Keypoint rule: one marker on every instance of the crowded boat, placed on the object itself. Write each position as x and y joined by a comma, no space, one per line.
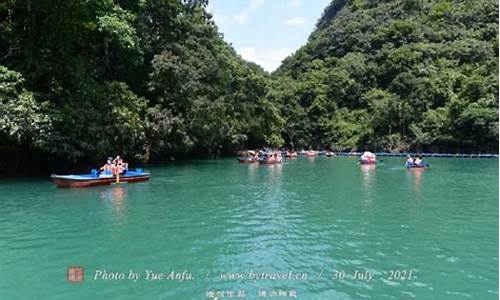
270,158
115,170
368,158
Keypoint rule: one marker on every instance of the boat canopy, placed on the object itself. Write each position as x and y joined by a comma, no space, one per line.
367,154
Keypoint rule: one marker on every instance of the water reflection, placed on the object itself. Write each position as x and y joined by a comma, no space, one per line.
115,198
368,176
368,173
275,171
416,174
252,171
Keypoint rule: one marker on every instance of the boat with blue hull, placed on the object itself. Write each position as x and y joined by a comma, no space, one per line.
94,178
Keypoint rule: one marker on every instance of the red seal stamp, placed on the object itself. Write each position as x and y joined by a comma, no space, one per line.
76,274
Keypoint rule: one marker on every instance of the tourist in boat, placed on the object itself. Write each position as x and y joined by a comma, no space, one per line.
291,153
311,153
116,159
124,166
410,161
277,156
120,167
329,153
418,160
108,166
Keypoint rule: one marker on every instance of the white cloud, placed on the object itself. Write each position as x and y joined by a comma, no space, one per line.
297,21
294,3
269,60
243,16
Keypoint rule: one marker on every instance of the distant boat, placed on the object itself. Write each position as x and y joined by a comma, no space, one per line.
422,165
291,154
95,179
270,159
329,154
368,158
311,153
248,157
247,160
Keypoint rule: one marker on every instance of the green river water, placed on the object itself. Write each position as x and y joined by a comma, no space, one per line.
220,229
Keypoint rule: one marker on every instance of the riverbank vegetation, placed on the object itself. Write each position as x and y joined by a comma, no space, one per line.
396,75
153,79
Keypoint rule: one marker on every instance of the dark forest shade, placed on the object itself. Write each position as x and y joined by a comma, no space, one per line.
80,80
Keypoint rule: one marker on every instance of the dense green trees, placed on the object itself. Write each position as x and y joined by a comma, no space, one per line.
397,75
23,119
80,80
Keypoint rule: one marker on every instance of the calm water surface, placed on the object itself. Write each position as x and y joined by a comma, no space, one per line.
313,217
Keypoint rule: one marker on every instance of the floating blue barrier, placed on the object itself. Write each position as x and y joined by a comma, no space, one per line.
425,154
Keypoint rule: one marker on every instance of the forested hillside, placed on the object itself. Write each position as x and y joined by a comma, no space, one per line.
151,79
395,75
81,80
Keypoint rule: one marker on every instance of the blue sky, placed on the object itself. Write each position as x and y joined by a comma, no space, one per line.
266,31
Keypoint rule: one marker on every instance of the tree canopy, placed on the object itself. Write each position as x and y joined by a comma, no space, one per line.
80,80
397,75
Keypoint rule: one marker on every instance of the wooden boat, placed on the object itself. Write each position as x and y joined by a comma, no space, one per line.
291,154
417,166
94,179
269,160
247,160
368,158
311,153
